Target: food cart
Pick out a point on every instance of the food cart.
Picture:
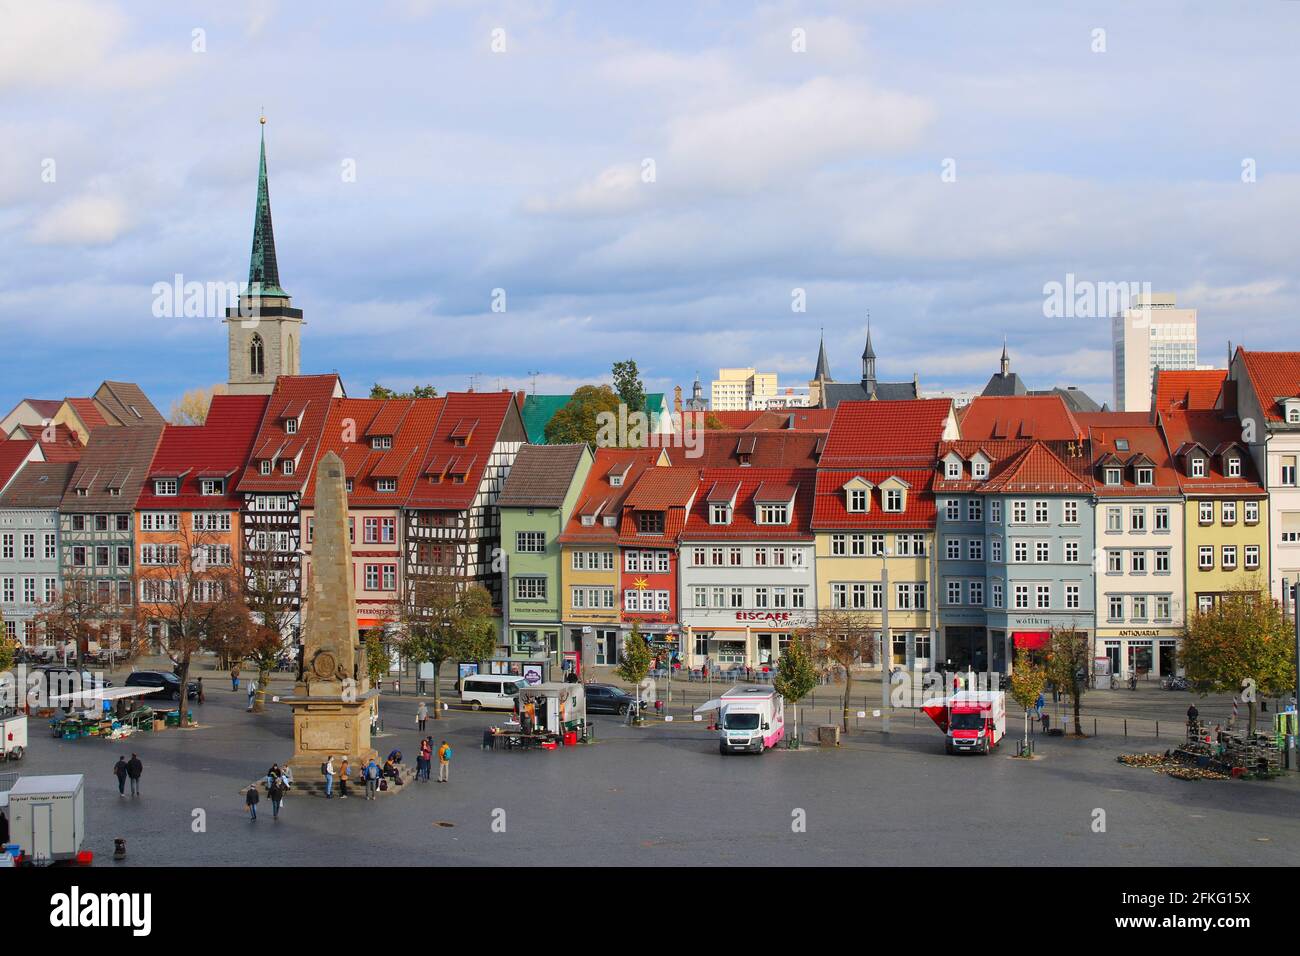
(104, 712)
(550, 714)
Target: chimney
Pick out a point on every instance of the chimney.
(677, 399)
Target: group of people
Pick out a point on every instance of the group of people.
(278, 782)
(424, 761)
(126, 770)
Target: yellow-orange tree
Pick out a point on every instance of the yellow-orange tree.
(1068, 657)
(1241, 645)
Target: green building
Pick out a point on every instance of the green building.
(536, 502)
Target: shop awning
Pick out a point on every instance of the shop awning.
(1032, 640)
(708, 705)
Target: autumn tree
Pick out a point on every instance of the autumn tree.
(192, 407)
(796, 674)
(635, 660)
(270, 592)
(1027, 680)
(841, 641)
(1243, 645)
(1069, 654)
(578, 419)
(442, 618)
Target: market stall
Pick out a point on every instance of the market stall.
(107, 712)
(549, 715)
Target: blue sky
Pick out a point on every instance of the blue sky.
(522, 170)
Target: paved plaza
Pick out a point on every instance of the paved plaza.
(660, 795)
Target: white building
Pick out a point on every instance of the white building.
(1154, 332)
(736, 389)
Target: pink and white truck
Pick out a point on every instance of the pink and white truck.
(750, 719)
(974, 721)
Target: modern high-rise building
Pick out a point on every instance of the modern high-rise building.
(736, 389)
(1153, 333)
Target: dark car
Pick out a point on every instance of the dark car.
(607, 699)
(165, 686)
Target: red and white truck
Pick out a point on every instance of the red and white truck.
(973, 720)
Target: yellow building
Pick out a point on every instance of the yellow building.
(1226, 507)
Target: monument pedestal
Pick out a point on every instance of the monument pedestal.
(327, 723)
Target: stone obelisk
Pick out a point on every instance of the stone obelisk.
(332, 703)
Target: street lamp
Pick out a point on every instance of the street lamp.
(885, 644)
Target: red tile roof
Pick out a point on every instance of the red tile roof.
(312, 394)
(1146, 446)
(662, 488)
(1214, 433)
(600, 498)
(895, 434)
(410, 424)
(725, 449)
(66, 446)
(219, 448)
(1272, 375)
(831, 511)
(45, 407)
(776, 419)
(720, 483)
(1043, 417)
(88, 412)
(459, 468)
(1037, 469)
(1188, 389)
(13, 453)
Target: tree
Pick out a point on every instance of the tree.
(376, 656)
(1242, 645)
(627, 382)
(841, 641)
(192, 407)
(195, 596)
(635, 664)
(7, 647)
(1069, 653)
(269, 593)
(419, 391)
(442, 618)
(80, 612)
(577, 420)
(1027, 682)
(796, 674)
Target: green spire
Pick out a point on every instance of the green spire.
(263, 271)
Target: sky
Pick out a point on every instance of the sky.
(663, 182)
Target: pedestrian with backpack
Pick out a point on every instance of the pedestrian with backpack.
(444, 762)
(372, 779)
(343, 779)
(250, 801)
(327, 768)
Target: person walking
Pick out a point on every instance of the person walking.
(276, 793)
(134, 769)
(421, 715)
(119, 770)
(234, 678)
(372, 779)
(250, 801)
(200, 683)
(444, 762)
(327, 768)
(343, 778)
(252, 694)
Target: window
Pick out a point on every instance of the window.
(51, 551)
(1071, 552)
(1072, 596)
(1019, 552)
(1139, 607)
(265, 467)
(1138, 562)
(1040, 512)
(858, 544)
(1112, 476)
(877, 545)
(1252, 557)
(650, 522)
(1071, 512)
(1198, 467)
(858, 499)
(212, 486)
(719, 514)
(976, 591)
(1293, 415)
(1163, 607)
(954, 592)
(952, 469)
(530, 589)
(291, 426)
(1229, 557)
(7, 545)
(893, 500)
(979, 468)
(381, 442)
(287, 466)
(165, 487)
(256, 356)
(1019, 512)
(952, 509)
(1114, 519)
(1043, 596)
(7, 590)
(1022, 597)
(1251, 512)
(29, 547)
(1162, 561)
(1234, 467)
(1205, 512)
(1229, 512)
(1042, 552)
(733, 557)
(1114, 562)
(995, 594)
(1145, 476)
(909, 596)
(952, 548)
(995, 511)
(975, 549)
(1115, 606)
(837, 544)
(1205, 557)
(386, 485)
(773, 514)
(1161, 522)
(529, 542)
(995, 549)
(1288, 470)
(974, 509)
(1137, 520)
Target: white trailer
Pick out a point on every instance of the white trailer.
(13, 737)
(47, 817)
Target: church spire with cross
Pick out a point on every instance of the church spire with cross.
(263, 270)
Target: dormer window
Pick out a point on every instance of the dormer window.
(859, 499)
(381, 442)
(1146, 476)
(952, 469)
(979, 468)
(291, 426)
(212, 486)
(616, 481)
(893, 499)
(720, 514)
(773, 514)
(611, 521)
(893, 495)
(1234, 467)
(386, 484)
(1293, 415)
(1113, 476)
(165, 487)
(286, 466)
(1196, 467)
(348, 485)
(650, 522)
(588, 521)
(265, 467)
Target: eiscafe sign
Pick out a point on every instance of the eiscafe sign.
(764, 617)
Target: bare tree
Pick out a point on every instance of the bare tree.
(269, 592)
(840, 641)
(82, 611)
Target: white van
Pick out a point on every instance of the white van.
(751, 719)
(494, 691)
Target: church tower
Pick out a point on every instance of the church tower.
(869, 365)
(264, 331)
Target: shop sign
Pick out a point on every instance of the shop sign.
(766, 617)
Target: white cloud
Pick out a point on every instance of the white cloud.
(84, 220)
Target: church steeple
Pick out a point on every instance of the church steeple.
(1006, 361)
(869, 362)
(263, 270)
(823, 371)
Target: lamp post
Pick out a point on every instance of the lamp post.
(885, 643)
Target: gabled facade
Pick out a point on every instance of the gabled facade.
(274, 479)
(30, 573)
(536, 503)
(747, 567)
(450, 519)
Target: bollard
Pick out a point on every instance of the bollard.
(1125, 726)
(119, 848)
(1094, 726)
(1157, 729)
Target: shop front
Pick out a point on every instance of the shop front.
(1013, 637)
(1147, 653)
(530, 640)
(748, 639)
